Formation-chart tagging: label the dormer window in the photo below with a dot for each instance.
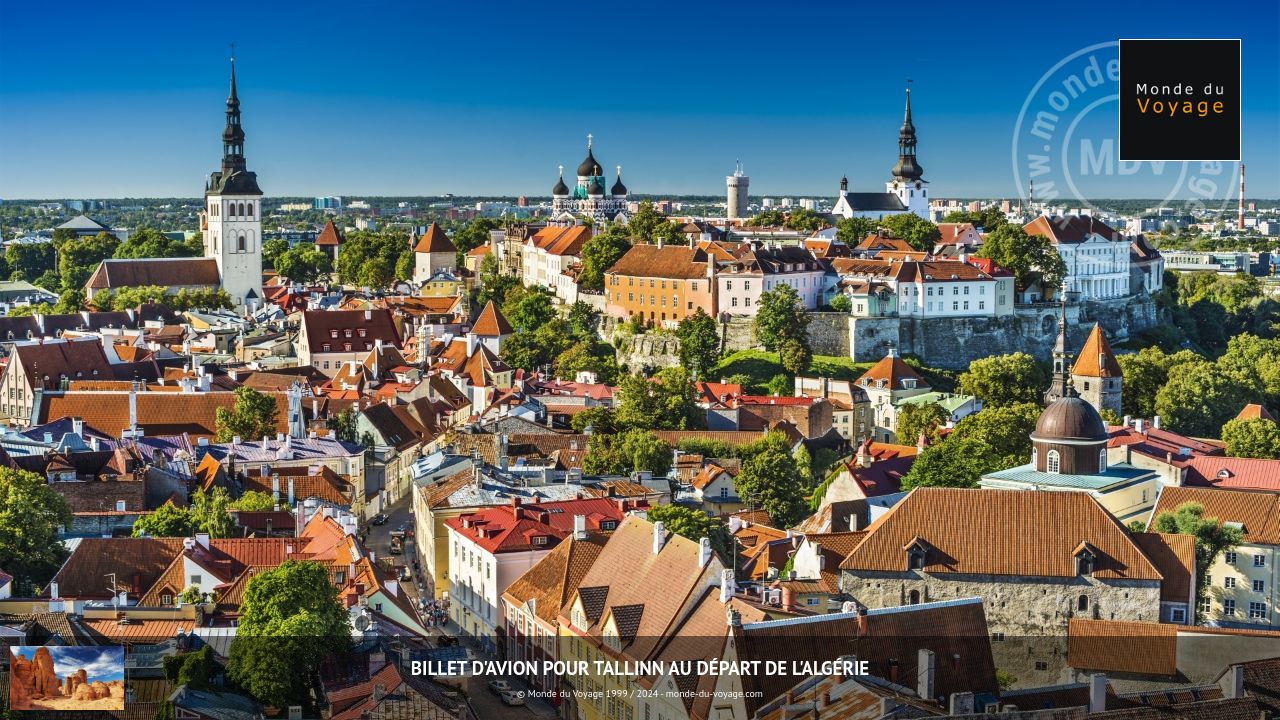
(1086, 561)
(333, 333)
(539, 539)
(917, 554)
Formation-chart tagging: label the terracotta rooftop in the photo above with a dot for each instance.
(434, 240)
(1070, 228)
(491, 322)
(1254, 411)
(1096, 358)
(1175, 557)
(157, 413)
(360, 328)
(556, 240)
(1023, 533)
(45, 363)
(547, 585)
(165, 272)
(1258, 512)
(892, 370)
(329, 236)
(537, 526)
(670, 261)
(1113, 646)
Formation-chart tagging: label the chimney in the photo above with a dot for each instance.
(926, 674)
(77, 426)
(471, 344)
(1155, 421)
(579, 527)
(379, 692)
(704, 551)
(53, 591)
(726, 585)
(368, 315)
(659, 537)
(961, 704)
(735, 524)
(1097, 692)
(202, 539)
(1233, 682)
(290, 490)
(275, 489)
(1139, 426)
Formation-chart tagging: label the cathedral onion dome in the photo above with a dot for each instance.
(560, 190)
(233, 134)
(1072, 420)
(908, 169)
(619, 190)
(589, 167)
(596, 188)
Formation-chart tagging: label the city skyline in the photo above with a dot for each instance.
(418, 110)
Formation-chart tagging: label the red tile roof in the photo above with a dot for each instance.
(491, 322)
(45, 362)
(358, 327)
(1254, 411)
(165, 272)
(1095, 358)
(167, 413)
(513, 528)
(893, 370)
(434, 241)
(670, 261)
(556, 240)
(1257, 511)
(1070, 228)
(329, 235)
(1115, 646)
(1233, 472)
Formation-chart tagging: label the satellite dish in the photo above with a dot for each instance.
(362, 623)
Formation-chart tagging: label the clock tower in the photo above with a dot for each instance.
(232, 216)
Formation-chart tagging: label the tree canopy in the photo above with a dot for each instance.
(254, 416)
(770, 480)
(1005, 379)
(1024, 255)
(290, 621)
(31, 515)
(915, 419)
(699, 337)
(918, 232)
(1255, 438)
(1212, 536)
(665, 402)
(781, 325)
(304, 263)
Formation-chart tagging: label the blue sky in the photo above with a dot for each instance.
(488, 98)
(99, 663)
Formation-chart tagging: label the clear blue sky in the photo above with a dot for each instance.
(489, 97)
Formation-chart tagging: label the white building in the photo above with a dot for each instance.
(904, 192)
(757, 268)
(1096, 256)
(549, 256)
(925, 288)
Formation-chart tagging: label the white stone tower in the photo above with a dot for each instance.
(737, 184)
(233, 214)
(907, 181)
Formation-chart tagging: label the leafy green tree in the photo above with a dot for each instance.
(665, 403)
(1212, 538)
(780, 317)
(343, 426)
(1255, 438)
(31, 514)
(493, 285)
(600, 419)
(1005, 379)
(1024, 255)
(1199, 399)
(533, 350)
(770, 480)
(583, 320)
(988, 219)
(290, 622)
(600, 253)
(77, 259)
(953, 462)
(768, 218)
(795, 355)
(841, 303)
(918, 232)
(530, 311)
(642, 450)
(805, 220)
(149, 243)
(28, 261)
(1256, 361)
(191, 596)
(1004, 432)
(644, 222)
(588, 356)
(475, 234)
(693, 525)
(254, 501)
(376, 273)
(29, 310)
(304, 263)
(603, 456)
(254, 416)
(804, 464)
(915, 419)
(193, 669)
(1145, 372)
(272, 249)
(211, 512)
(852, 231)
(168, 520)
(70, 301)
(699, 337)
(372, 258)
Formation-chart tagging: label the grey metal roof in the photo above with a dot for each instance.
(1113, 475)
(873, 201)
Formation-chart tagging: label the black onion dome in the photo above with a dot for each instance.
(1070, 419)
(589, 166)
(907, 168)
(560, 188)
(618, 187)
(596, 187)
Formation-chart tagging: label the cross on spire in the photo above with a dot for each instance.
(588, 141)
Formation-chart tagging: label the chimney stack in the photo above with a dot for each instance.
(579, 527)
(704, 551)
(659, 537)
(726, 585)
(926, 674)
(1233, 682)
(1097, 692)
(961, 704)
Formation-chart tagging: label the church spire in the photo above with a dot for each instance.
(1060, 385)
(907, 168)
(233, 133)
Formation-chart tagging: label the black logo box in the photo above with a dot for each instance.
(1187, 68)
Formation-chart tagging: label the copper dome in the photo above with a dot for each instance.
(1070, 419)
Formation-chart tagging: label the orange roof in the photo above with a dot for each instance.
(491, 322)
(1024, 532)
(1254, 411)
(144, 631)
(329, 235)
(1233, 472)
(562, 240)
(434, 241)
(1257, 511)
(893, 370)
(480, 250)
(1117, 646)
(168, 413)
(1096, 358)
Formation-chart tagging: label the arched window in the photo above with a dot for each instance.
(1082, 603)
(1052, 462)
(240, 243)
(914, 598)
(249, 208)
(1102, 460)
(1035, 455)
(241, 213)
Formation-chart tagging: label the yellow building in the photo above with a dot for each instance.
(1242, 581)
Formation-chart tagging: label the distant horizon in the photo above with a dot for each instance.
(423, 101)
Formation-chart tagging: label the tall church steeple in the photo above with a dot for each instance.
(1060, 384)
(233, 133)
(907, 168)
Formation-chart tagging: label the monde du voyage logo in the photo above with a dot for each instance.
(1180, 100)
